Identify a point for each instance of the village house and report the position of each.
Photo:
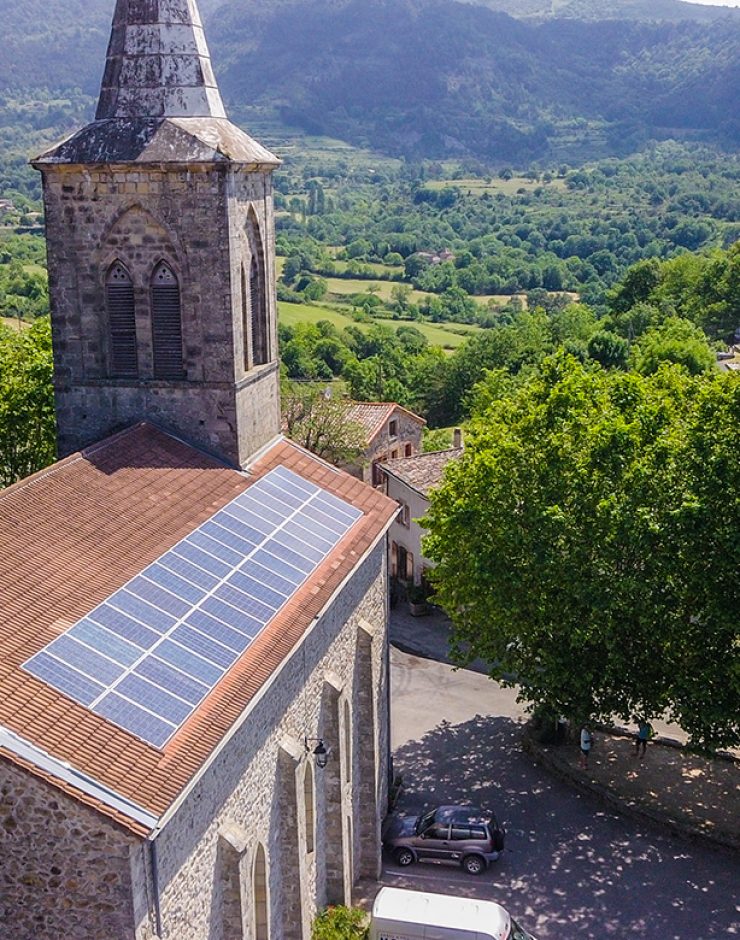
(409, 481)
(391, 432)
(193, 610)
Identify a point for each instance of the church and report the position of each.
(193, 610)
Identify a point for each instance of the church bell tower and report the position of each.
(161, 251)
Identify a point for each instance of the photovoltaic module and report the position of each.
(148, 655)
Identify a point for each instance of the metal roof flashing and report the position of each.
(61, 770)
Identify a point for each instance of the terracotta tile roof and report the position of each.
(74, 533)
(373, 415)
(424, 471)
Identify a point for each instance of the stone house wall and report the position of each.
(69, 872)
(252, 795)
(195, 219)
(386, 446)
(65, 870)
(407, 536)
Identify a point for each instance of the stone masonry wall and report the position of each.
(193, 219)
(65, 871)
(410, 536)
(384, 444)
(253, 794)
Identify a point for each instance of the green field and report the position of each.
(482, 187)
(444, 335)
(344, 286)
(13, 324)
(290, 314)
(341, 266)
(379, 269)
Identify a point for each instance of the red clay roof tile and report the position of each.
(73, 534)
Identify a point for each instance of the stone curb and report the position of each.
(544, 756)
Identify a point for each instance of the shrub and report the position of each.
(340, 923)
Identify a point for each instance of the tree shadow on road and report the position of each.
(571, 869)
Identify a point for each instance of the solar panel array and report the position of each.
(148, 655)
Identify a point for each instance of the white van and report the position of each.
(399, 914)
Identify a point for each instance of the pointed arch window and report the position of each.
(308, 802)
(119, 301)
(166, 324)
(260, 328)
(259, 895)
(347, 743)
(245, 318)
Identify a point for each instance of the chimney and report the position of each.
(457, 438)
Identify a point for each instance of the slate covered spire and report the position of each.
(159, 101)
(158, 64)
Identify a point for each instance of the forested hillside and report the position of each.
(417, 78)
(438, 79)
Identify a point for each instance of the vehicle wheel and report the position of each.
(473, 864)
(404, 857)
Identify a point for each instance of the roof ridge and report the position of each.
(427, 453)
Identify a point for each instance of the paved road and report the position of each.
(571, 870)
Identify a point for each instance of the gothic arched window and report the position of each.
(258, 298)
(308, 802)
(259, 896)
(166, 324)
(245, 318)
(119, 301)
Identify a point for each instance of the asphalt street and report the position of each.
(571, 869)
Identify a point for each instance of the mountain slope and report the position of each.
(436, 78)
(425, 78)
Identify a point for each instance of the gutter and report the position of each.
(44, 761)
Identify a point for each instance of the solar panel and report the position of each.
(150, 653)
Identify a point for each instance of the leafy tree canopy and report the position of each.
(27, 423)
(586, 543)
(320, 424)
(675, 340)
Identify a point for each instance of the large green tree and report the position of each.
(27, 426)
(320, 424)
(587, 543)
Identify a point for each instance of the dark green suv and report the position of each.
(464, 835)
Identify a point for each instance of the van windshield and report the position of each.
(517, 933)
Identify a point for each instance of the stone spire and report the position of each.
(158, 63)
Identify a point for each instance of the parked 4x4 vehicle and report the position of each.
(465, 835)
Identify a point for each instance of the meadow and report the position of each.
(448, 336)
(492, 186)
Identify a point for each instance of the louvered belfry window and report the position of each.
(258, 300)
(166, 324)
(119, 300)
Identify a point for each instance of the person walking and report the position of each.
(643, 735)
(587, 742)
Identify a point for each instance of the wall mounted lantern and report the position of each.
(320, 753)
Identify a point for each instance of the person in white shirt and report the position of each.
(587, 741)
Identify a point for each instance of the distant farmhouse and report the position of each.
(193, 628)
(436, 257)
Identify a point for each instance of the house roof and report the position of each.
(373, 415)
(76, 532)
(423, 472)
